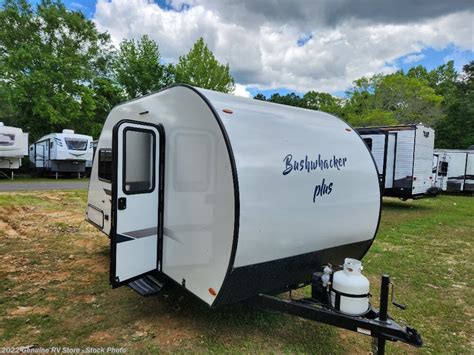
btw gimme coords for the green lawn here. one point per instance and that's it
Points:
(29, 179)
(54, 289)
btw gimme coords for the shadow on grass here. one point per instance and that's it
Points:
(404, 206)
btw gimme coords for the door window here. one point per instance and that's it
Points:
(139, 161)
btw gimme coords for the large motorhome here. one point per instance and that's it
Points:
(404, 158)
(454, 170)
(58, 153)
(13, 147)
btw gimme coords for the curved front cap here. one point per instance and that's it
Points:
(308, 189)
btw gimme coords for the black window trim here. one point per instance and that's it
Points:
(366, 141)
(109, 150)
(124, 163)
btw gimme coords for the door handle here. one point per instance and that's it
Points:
(122, 203)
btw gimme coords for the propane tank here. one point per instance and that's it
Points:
(350, 289)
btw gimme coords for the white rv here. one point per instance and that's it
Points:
(404, 158)
(455, 170)
(440, 170)
(65, 152)
(238, 199)
(13, 147)
(229, 197)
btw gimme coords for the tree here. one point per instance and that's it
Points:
(200, 68)
(290, 99)
(456, 130)
(138, 69)
(406, 99)
(260, 97)
(49, 58)
(411, 100)
(323, 102)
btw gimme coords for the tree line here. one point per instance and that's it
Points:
(441, 98)
(57, 70)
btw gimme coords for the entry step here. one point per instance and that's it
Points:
(146, 286)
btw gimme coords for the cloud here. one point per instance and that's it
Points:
(78, 6)
(316, 45)
(413, 58)
(240, 90)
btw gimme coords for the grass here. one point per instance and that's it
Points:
(54, 289)
(30, 179)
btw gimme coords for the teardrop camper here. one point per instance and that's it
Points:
(13, 147)
(230, 197)
(237, 199)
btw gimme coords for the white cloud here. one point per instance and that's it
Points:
(413, 58)
(240, 90)
(263, 51)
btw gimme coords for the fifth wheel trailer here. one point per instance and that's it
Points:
(65, 152)
(404, 158)
(236, 199)
(457, 170)
(13, 147)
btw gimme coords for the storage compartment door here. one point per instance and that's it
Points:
(137, 203)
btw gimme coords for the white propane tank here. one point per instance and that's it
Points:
(350, 282)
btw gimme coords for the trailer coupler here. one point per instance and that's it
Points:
(375, 323)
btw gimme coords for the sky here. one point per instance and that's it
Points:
(296, 46)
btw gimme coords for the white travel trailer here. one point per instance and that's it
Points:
(404, 158)
(455, 169)
(65, 152)
(440, 170)
(231, 198)
(13, 147)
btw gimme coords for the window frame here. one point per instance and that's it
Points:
(107, 150)
(71, 140)
(124, 160)
(366, 140)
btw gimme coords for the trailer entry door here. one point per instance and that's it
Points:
(137, 191)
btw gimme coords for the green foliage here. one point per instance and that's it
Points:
(395, 98)
(49, 57)
(373, 117)
(323, 101)
(200, 68)
(137, 68)
(291, 99)
(456, 130)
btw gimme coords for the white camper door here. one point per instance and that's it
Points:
(137, 194)
(390, 164)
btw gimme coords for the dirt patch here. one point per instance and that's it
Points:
(86, 299)
(27, 310)
(102, 337)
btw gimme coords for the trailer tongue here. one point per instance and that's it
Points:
(376, 323)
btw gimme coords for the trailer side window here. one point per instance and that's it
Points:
(105, 165)
(368, 141)
(139, 162)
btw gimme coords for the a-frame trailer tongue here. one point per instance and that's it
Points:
(137, 205)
